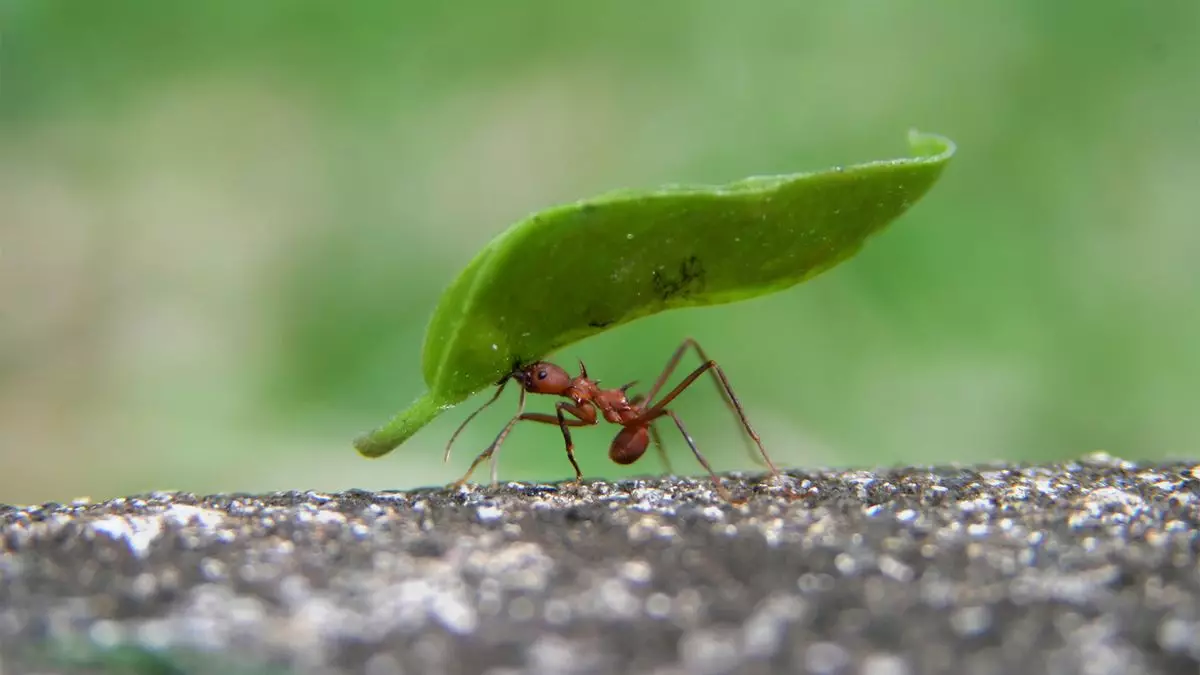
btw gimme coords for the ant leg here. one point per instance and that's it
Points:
(655, 437)
(562, 424)
(724, 391)
(720, 487)
(585, 420)
(490, 452)
(662, 451)
(499, 390)
(672, 365)
(687, 382)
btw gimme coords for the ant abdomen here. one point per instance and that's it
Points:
(629, 445)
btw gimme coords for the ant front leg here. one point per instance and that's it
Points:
(542, 418)
(586, 413)
(499, 390)
(490, 452)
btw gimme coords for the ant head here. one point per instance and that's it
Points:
(543, 378)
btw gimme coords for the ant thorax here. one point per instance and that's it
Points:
(578, 394)
(614, 406)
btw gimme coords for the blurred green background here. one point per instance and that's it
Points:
(223, 226)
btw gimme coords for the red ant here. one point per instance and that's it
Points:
(636, 415)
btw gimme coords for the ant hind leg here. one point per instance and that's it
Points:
(717, 484)
(655, 437)
(691, 378)
(726, 393)
(661, 449)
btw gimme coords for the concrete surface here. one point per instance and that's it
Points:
(1083, 567)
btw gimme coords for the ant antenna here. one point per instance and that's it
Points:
(499, 390)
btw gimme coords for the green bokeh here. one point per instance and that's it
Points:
(223, 226)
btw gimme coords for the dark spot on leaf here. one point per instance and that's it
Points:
(600, 323)
(689, 280)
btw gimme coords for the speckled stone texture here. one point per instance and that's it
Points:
(1082, 567)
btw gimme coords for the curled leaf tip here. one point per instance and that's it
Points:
(925, 144)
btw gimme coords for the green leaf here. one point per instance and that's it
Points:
(573, 271)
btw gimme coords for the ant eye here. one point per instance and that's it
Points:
(541, 374)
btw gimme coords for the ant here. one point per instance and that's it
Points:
(637, 415)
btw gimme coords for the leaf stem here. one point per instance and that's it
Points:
(397, 430)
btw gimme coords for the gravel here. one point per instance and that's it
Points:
(1079, 567)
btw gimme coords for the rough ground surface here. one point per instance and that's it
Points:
(1085, 567)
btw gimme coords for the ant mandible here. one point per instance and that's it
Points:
(636, 415)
